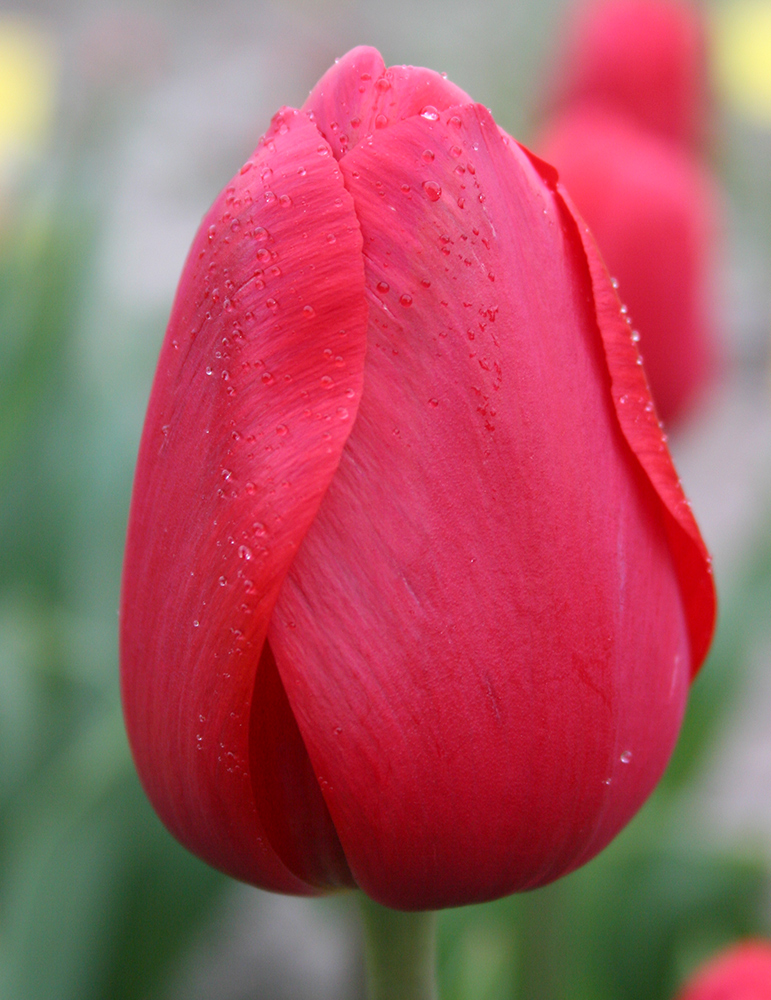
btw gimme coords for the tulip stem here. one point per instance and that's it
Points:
(400, 952)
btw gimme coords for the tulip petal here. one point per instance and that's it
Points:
(637, 417)
(257, 389)
(358, 96)
(482, 636)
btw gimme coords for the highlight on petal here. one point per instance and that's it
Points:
(479, 723)
(257, 389)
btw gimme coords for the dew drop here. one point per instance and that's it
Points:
(244, 552)
(626, 756)
(380, 121)
(266, 377)
(433, 190)
(282, 430)
(614, 282)
(430, 113)
(212, 231)
(433, 402)
(285, 201)
(271, 304)
(260, 234)
(382, 84)
(223, 581)
(309, 312)
(383, 287)
(405, 300)
(326, 381)
(427, 155)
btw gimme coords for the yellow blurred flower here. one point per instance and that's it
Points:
(742, 51)
(27, 92)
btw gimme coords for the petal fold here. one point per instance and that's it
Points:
(257, 389)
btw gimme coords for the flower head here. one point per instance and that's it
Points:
(412, 596)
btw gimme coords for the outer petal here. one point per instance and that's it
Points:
(637, 417)
(488, 655)
(740, 973)
(359, 95)
(652, 210)
(257, 388)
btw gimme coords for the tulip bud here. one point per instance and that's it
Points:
(412, 596)
(643, 59)
(740, 973)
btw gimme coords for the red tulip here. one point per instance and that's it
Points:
(412, 596)
(645, 59)
(740, 973)
(651, 207)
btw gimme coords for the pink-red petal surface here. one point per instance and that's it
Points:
(482, 636)
(256, 392)
(740, 973)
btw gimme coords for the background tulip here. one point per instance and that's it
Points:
(625, 138)
(740, 973)
(412, 596)
(651, 207)
(643, 59)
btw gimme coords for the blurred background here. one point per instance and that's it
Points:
(119, 123)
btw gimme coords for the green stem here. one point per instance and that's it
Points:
(400, 953)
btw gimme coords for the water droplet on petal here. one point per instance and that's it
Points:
(626, 756)
(380, 121)
(383, 287)
(405, 300)
(433, 190)
(430, 113)
(309, 312)
(427, 155)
